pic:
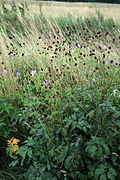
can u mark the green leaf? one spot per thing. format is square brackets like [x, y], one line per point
[110, 176]
[48, 166]
[107, 151]
[68, 162]
[114, 156]
[112, 171]
[73, 117]
[103, 177]
[90, 174]
[38, 178]
[13, 163]
[99, 171]
[92, 150]
[29, 153]
[91, 167]
[65, 150]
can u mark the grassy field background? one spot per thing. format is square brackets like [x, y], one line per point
[56, 9]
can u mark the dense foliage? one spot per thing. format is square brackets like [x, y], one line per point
[59, 97]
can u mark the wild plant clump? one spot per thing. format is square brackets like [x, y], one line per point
[60, 97]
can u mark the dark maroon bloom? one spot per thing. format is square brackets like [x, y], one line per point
[38, 108]
[10, 37]
[103, 55]
[50, 87]
[67, 28]
[111, 61]
[98, 32]
[57, 92]
[106, 33]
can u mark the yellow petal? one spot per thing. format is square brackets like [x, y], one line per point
[15, 141]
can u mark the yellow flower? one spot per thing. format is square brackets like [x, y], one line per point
[15, 148]
[13, 142]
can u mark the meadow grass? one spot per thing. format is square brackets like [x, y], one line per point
[59, 87]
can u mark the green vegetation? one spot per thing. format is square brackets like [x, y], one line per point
[59, 96]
